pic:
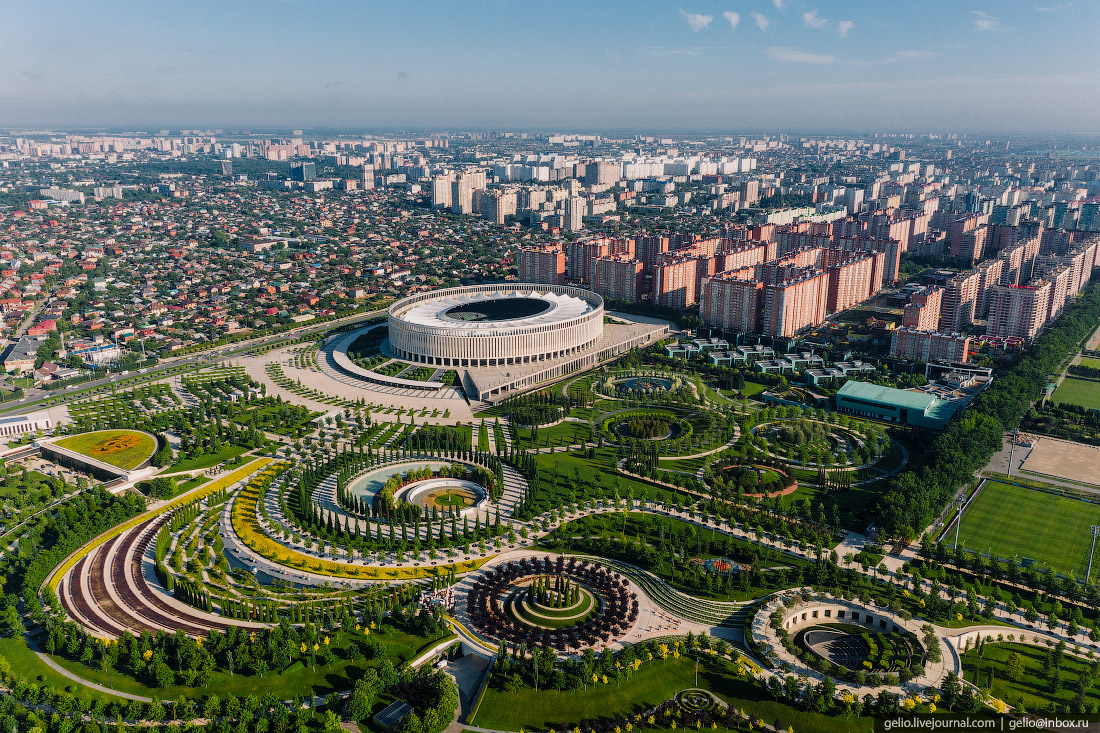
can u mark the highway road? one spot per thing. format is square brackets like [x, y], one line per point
[39, 398]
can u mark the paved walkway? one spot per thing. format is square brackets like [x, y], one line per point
[88, 683]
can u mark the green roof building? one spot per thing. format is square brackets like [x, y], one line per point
[897, 406]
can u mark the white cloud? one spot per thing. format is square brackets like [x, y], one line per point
[664, 51]
[793, 55]
[733, 18]
[909, 55]
[843, 26]
[761, 20]
[780, 4]
[983, 21]
[696, 21]
[810, 18]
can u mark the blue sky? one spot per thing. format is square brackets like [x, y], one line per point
[784, 65]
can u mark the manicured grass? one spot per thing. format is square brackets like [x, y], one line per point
[27, 666]
[1011, 521]
[1034, 688]
[1078, 392]
[567, 473]
[207, 460]
[1090, 362]
[125, 449]
[192, 483]
[652, 684]
[753, 388]
[564, 433]
[397, 645]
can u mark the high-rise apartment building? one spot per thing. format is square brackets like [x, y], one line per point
[990, 273]
[795, 303]
[750, 192]
[922, 312]
[575, 209]
[366, 179]
[601, 173]
[851, 281]
[731, 301]
[923, 345]
[544, 265]
[618, 277]
[960, 294]
[674, 282]
[441, 192]
[650, 249]
[1019, 310]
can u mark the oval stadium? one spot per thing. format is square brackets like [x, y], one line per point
[495, 325]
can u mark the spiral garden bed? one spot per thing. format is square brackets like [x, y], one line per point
[526, 606]
[839, 446]
[696, 700]
[568, 605]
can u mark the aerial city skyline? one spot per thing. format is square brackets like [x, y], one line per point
[549, 366]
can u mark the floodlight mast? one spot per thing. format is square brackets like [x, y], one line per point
[1093, 530]
[960, 502]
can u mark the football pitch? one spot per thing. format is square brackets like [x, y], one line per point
[1078, 392]
[1010, 521]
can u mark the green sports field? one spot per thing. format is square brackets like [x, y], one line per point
[1078, 392]
[123, 448]
[1011, 521]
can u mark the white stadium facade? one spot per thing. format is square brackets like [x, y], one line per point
[495, 325]
[501, 338]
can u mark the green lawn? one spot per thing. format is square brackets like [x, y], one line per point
[754, 388]
[1078, 392]
[125, 449]
[566, 473]
[1090, 362]
[207, 460]
[26, 665]
[1011, 521]
[296, 680]
[1034, 688]
[654, 683]
[564, 433]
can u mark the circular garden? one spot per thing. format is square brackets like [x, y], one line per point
[696, 700]
[752, 479]
[552, 602]
[806, 442]
[854, 648]
[647, 425]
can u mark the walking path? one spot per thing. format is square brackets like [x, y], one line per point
[87, 683]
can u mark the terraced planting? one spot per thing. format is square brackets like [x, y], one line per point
[144, 400]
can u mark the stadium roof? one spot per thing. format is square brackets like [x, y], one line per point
[432, 312]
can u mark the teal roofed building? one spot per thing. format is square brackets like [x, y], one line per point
[897, 406]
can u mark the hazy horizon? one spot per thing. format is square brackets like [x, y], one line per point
[689, 67]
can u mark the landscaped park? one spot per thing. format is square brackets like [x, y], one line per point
[620, 543]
